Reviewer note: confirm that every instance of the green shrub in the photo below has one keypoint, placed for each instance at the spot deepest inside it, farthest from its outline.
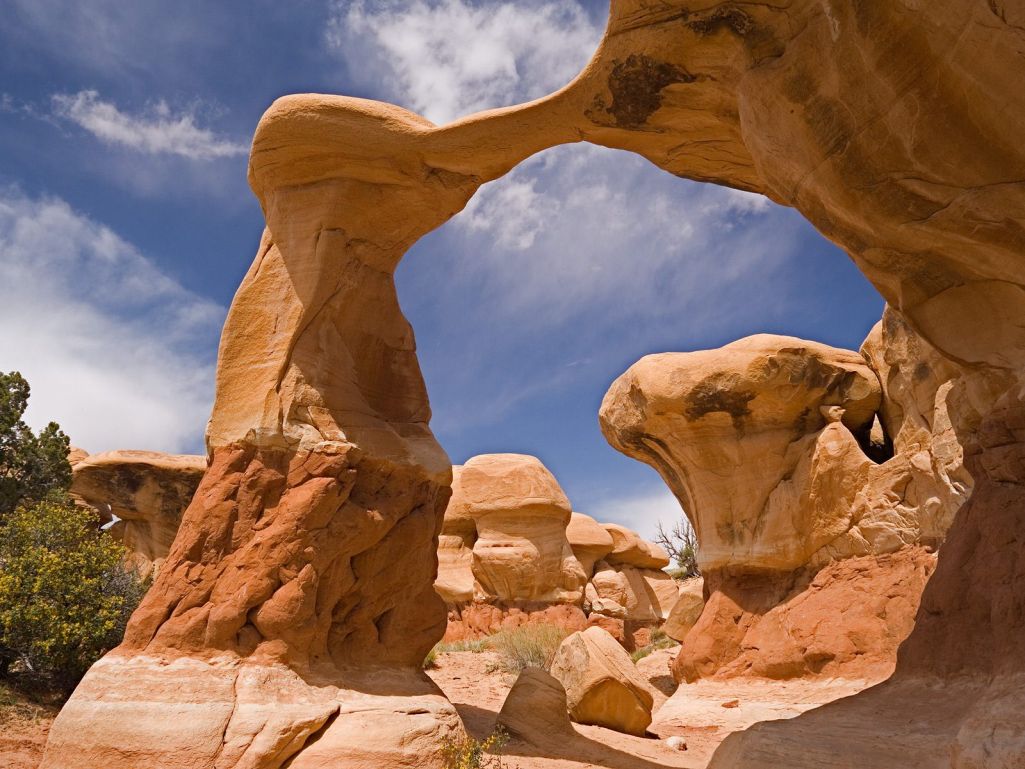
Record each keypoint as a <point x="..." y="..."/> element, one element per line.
<point x="65" y="595"/>
<point x="528" y="646"/>
<point x="31" y="466"/>
<point x="468" y="753"/>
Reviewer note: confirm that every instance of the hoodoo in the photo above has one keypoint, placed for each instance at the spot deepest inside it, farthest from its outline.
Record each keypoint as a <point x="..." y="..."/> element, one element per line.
<point x="278" y="630"/>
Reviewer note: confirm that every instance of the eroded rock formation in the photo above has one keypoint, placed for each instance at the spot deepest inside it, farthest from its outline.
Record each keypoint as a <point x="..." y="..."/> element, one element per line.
<point x="895" y="128"/>
<point x="147" y="491"/>
<point x="745" y="439"/>
<point x="510" y="554"/>
<point x="590" y="541"/>
<point x="764" y="442"/>
<point x="521" y="513"/>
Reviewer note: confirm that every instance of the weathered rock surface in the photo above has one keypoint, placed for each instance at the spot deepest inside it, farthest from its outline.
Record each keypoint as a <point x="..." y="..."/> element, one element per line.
<point x="626" y="592"/>
<point x="684" y="614"/>
<point x="602" y="686"/>
<point x="455" y="582"/>
<point x="629" y="549"/>
<point x="521" y="513"/>
<point x="589" y="540"/>
<point x="742" y="437"/>
<point x="887" y="145"/>
<point x="146" y="490"/>
<point x="845" y="620"/>
<point x="535" y="709"/>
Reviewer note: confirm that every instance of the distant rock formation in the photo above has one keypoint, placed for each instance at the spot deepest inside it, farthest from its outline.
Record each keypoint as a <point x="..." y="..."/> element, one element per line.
<point x="509" y="554"/>
<point x="521" y="513"/>
<point x="590" y="541"/>
<point x="146" y="491"/>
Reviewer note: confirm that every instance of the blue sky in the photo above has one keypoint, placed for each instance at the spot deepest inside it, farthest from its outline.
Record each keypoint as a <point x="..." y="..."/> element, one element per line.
<point x="126" y="224"/>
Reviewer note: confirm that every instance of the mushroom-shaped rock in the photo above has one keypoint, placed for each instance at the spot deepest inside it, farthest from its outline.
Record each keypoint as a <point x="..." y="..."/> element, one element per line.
<point x="629" y="549"/>
<point x="626" y="592"/>
<point x="521" y="514"/>
<point x="455" y="583"/>
<point x="740" y="433"/>
<point x="535" y="709"/>
<point x="589" y="539"/>
<point x="602" y="685"/>
<point x="146" y="490"/>
<point x="686" y="610"/>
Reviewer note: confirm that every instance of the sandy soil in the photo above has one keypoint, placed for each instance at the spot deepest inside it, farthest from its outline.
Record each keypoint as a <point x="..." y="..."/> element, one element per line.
<point x="703" y="714"/>
<point x="22" y="738"/>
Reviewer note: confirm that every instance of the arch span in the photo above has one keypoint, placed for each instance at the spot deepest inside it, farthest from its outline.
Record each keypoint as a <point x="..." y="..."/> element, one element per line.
<point x="279" y="631"/>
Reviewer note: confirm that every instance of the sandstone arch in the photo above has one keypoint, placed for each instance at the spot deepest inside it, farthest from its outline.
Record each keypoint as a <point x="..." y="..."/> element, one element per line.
<point x="274" y="629"/>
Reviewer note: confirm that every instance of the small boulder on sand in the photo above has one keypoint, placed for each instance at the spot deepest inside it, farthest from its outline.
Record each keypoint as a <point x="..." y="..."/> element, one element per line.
<point x="535" y="709"/>
<point x="602" y="685"/>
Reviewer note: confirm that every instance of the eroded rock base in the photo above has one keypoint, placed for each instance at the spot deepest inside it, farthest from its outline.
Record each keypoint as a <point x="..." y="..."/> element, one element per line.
<point x="133" y="712"/>
<point x="844" y="620"/>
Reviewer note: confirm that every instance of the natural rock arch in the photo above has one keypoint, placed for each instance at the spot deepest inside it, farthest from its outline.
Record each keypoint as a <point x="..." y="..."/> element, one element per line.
<point x="275" y="631"/>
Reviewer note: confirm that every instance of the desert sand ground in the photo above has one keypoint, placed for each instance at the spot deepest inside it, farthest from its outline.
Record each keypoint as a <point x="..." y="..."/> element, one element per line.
<point x="703" y="714"/>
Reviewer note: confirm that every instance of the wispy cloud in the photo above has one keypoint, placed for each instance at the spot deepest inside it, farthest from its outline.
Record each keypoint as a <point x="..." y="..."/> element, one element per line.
<point x="115" y="350"/>
<point x="447" y="58"/>
<point x="158" y="131"/>
<point x="641" y="511"/>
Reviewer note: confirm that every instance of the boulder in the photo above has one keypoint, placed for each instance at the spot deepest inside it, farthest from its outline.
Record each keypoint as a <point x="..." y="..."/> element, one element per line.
<point x="602" y="686"/>
<point x="521" y="514"/>
<point x="628" y="549"/>
<point x="535" y="709"/>
<point x="589" y="540"/>
<point x="686" y="610"/>
<point x="146" y="491"/>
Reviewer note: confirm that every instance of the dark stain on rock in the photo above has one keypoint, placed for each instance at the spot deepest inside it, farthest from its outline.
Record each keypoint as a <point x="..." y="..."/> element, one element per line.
<point x="726" y="17"/>
<point x="713" y="396"/>
<point x="636" y="85"/>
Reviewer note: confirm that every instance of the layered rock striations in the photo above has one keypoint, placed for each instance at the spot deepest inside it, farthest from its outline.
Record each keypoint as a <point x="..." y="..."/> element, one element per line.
<point x="279" y="596"/>
<point x="512" y="553"/>
<point x="146" y="491"/>
<point x="521" y="513"/>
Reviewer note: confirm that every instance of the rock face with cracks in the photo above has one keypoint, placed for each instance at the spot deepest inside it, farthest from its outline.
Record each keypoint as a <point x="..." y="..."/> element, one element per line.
<point x="147" y="492"/>
<point x="867" y="117"/>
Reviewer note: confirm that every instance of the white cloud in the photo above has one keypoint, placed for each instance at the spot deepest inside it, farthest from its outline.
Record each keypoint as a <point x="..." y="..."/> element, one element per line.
<point x="580" y="229"/>
<point x="641" y="512"/>
<point x="448" y="58"/>
<point x="158" y="131"/>
<point x="116" y="351"/>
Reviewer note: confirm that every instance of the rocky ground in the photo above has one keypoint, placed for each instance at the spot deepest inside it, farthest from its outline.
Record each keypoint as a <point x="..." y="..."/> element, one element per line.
<point x="702" y="714"/>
